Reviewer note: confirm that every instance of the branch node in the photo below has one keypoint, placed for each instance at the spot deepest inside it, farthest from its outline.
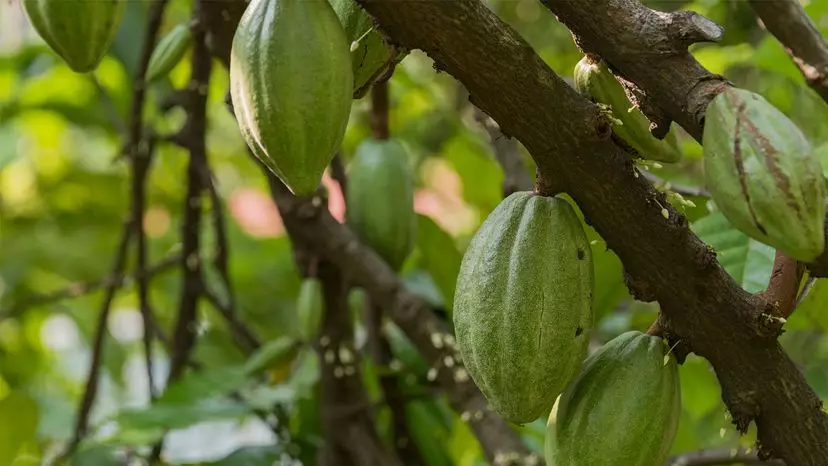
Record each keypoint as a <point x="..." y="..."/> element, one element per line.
<point x="688" y="27"/>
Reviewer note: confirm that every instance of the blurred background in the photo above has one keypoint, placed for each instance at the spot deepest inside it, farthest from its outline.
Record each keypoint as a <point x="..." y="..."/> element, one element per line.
<point x="64" y="198"/>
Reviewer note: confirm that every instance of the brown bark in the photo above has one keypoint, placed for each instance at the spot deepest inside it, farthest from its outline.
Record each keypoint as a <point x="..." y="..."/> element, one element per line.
<point x="790" y="24"/>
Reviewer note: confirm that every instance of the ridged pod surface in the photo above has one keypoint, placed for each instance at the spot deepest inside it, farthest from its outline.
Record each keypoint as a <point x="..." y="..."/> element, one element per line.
<point x="623" y="407"/>
<point x="380" y="200"/>
<point x="372" y="56"/>
<point x="763" y="174"/>
<point x="523" y="305"/>
<point x="168" y="52"/>
<point x="79" y="31"/>
<point x="594" y="80"/>
<point x="291" y="85"/>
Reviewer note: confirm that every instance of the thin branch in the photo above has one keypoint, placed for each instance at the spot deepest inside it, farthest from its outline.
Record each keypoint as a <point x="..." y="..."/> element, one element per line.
<point x="717" y="457"/>
<point x="790" y="24"/>
<point x="379" y="109"/>
<point x="83" y="288"/>
<point x="92" y="378"/>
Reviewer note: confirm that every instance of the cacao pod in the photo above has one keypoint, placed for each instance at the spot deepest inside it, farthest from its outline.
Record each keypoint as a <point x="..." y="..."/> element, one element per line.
<point x="291" y="85"/>
<point x="371" y="56"/>
<point x="623" y="407"/>
<point x="79" y="31"/>
<point x="168" y="52"/>
<point x="380" y="200"/>
<point x="594" y="80"/>
<point x="523" y="304"/>
<point x="763" y="174"/>
<point x="309" y="308"/>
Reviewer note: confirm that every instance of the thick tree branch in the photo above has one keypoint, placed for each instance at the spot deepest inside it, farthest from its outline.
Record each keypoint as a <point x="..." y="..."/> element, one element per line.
<point x="790" y="24"/>
<point x="649" y="48"/>
<point x="702" y="305"/>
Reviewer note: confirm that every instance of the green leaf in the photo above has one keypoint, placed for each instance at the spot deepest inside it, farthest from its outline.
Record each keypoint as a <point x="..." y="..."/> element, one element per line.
<point x="176" y="416"/>
<point x="748" y="261"/>
<point x="252" y="456"/>
<point x="439" y="256"/>
<point x="481" y="174"/>
<point x="209" y="383"/>
<point x="274" y="353"/>
<point x="18" y="424"/>
<point x="98" y="455"/>
<point x="428" y="432"/>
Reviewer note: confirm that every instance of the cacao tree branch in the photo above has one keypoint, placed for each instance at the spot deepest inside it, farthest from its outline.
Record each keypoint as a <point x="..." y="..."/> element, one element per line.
<point x="185" y="331"/>
<point x="702" y="305"/>
<point x="77" y="289"/>
<point x="313" y="225"/>
<point x="649" y="48"/>
<point x="790" y="24"/>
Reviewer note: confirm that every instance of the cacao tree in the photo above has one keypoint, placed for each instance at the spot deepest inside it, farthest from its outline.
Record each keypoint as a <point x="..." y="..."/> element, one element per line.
<point x="383" y="232"/>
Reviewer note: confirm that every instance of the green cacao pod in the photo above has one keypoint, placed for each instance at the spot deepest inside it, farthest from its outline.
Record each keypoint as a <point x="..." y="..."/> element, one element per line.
<point x="763" y="174"/>
<point x="523" y="304"/>
<point x="291" y="85"/>
<point x="169" y="51"/>
<point x="594" y="80"/>
<point x="309" y="308"/>
<point x="623" y="407"/>
<point x="371" y="56"/>
<point x="79" y="31"/>
<point x="380" y="200"/>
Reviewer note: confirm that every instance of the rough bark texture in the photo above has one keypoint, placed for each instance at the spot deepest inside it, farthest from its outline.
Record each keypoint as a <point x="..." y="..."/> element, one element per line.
<point x="702" y="305"/>
<point x="788" y="22"/>
<point x="570" y="143"/>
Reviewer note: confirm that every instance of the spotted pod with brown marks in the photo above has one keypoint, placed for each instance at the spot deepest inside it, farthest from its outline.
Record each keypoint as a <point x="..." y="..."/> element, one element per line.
<point x="763" y="174"/>
<point x="79" y="31"/>
<point x="523" y="305"/>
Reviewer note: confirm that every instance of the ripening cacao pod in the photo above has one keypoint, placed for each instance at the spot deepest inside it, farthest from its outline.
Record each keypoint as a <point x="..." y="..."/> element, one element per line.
<point x="623" y="407"/>
<point x="291" y="85"/>
<point x="79" y="31"/>
<point x="168" y="52"/>
<point x="763" y="174"/>
<point x="309" y="308"/>
<point x="523" y="305"/>
<point x="380" y="200"/>
<point x="594" y="80"/>
<point x="371" y="56"/>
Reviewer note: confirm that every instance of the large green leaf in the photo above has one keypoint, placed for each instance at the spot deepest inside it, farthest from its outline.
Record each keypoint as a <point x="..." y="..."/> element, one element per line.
<point x="748" y="261"/>
<point x="481" y="174"/>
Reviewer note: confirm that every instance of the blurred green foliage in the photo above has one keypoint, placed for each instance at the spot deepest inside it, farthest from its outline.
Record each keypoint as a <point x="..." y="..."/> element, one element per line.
<point x="64" y="197"/>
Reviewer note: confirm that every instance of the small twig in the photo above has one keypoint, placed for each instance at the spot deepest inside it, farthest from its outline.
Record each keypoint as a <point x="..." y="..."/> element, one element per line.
<point x="379" y="109"/>
<point x="83" y="288"/>
<point x="656" y="329"/>
<point x="790" y="24"/>
<point x="242" y="334"/>
<point x="715" y="457"/>
<point x="91" y="386"/>
<point x="687" y="191"/>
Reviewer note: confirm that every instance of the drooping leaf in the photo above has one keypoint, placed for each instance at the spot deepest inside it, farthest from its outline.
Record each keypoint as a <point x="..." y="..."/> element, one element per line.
<point x="18" y="424"/>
